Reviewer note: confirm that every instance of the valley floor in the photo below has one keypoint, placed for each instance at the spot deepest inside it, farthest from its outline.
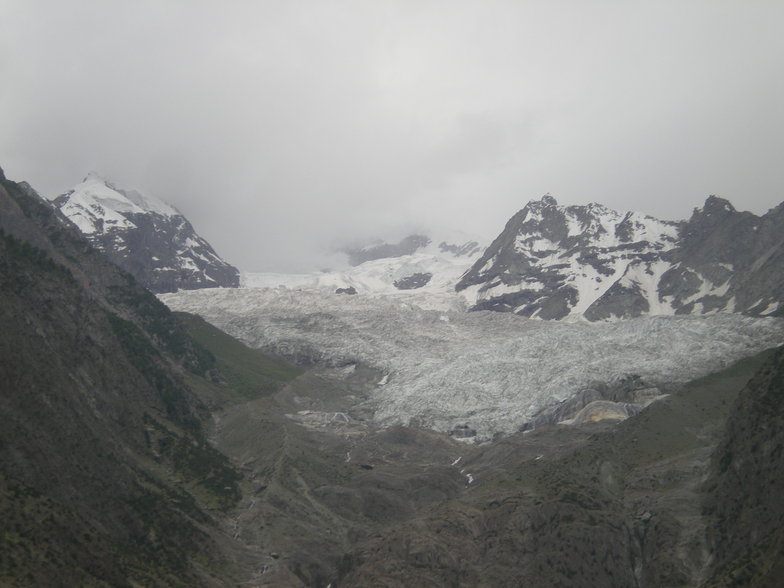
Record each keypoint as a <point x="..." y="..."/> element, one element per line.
<point x="332" y="499"/>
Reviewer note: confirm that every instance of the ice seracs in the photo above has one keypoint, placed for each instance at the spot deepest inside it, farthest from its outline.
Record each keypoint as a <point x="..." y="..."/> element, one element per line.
<point x="484" y="371"/>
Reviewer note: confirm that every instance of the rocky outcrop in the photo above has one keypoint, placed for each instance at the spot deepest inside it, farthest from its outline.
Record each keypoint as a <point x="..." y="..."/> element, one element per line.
<point x="552" y="261"/>
<point x="414" y="281"/>
<point x="744" y="492"/>
<point x="406" y="246"/>
<point x="466" y="249"/>
<point x="146" y="237"/>
<point x="106" y="476"/>
<point x="615" y="400"/>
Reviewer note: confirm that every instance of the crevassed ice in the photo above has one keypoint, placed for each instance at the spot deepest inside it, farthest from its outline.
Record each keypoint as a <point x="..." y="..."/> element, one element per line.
<point x="493" y="371"/>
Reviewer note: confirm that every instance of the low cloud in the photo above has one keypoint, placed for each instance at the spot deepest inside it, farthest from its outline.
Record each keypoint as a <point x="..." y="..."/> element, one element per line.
<point x="282" y="128"/>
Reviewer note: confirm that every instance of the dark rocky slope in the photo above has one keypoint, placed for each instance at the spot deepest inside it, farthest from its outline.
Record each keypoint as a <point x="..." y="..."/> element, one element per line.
<point x="106" y="475"/>
<point x="747" y="530"/>
<point x="739" y="249"/>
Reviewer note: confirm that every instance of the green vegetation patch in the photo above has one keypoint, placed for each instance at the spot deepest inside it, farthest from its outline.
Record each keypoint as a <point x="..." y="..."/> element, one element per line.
<point x="163" y="326"/>
<point x="21" y="264"/>
<point x="248" y="373"/>
<point x="148" y="360"/>
<point x="204" y="469"/>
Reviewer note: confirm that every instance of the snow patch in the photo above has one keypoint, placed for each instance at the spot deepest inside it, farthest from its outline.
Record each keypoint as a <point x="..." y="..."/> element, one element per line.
<point x="96" y="206"/>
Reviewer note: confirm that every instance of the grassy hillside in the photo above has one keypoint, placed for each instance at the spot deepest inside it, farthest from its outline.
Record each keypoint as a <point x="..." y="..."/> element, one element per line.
<point x="106" y="475"/>
<point x="239" y="373"/>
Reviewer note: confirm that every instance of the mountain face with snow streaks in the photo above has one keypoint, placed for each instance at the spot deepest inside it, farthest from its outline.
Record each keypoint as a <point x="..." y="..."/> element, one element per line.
<point x="145" y="236"/>
<point x="553" y="262"/>
<point x="728" y="259"/>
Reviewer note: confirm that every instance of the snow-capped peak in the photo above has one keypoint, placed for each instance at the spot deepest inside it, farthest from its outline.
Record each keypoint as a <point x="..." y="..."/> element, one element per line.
<point x="552" y="261"/>
<point x="96" y="205"/>
<point x="145" y="236"/>
<point x="124" y="200"/>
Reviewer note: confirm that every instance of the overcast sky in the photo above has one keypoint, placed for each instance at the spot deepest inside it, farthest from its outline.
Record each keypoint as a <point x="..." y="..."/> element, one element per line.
<point x="281" y="126"/>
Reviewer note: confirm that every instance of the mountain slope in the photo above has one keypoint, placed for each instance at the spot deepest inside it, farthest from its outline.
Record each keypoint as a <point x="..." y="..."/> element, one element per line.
<point x="746" y="535"/>
<point x="553" y="262"/>
<point x="106" y="476"/>
<point x="145" y="236"/>
<point x="739" y="254"/>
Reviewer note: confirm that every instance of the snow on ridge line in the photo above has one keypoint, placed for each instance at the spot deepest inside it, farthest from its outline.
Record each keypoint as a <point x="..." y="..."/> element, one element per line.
<point x="493" y="371"/>
<point x="100" y="199"/>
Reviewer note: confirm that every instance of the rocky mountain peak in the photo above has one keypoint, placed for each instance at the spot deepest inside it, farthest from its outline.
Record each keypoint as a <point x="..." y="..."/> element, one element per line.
<point x="553" y="261"/>
<point x="145" y="236"/>
<point x="93" y="175"/>
<point x="713" y="212"/>
<point x="715" y="204"/>
<point x="97" y="201"/>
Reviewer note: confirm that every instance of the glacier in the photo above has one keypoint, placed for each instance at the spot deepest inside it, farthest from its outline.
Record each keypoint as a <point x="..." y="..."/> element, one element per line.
<point x="492" y="371"/>
<point x="378" y="277"/>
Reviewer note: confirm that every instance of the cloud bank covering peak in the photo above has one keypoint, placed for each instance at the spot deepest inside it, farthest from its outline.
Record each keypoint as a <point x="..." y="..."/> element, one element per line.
<point x="282" y="128"/>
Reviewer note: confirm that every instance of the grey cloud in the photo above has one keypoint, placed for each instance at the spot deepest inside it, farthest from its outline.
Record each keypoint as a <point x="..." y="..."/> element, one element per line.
<point x="281" y="128"/>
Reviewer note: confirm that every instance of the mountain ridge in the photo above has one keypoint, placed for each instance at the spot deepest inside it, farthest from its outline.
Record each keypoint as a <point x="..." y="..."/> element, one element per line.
<point x="107" y="476"/>
<point x="554" y="262"/>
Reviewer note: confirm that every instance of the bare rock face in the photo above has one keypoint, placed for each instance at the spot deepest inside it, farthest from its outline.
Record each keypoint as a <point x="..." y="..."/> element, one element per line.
<point x="739" y="253"/>
<point x="146" y="237"/>
<point x="414" y="281"/>
<point x="469" y="248"/>
<point x="552" y="261"/>
<point x="102" y="449"/>
<point x="406" y="246"/>
<point x="745" y="489"/>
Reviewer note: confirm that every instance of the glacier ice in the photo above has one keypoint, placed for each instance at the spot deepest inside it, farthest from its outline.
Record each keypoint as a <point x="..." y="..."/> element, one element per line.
<point x="493" y="371"/>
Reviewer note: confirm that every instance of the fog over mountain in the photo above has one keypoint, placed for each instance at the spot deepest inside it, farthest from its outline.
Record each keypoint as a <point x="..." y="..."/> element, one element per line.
<point x="283" y="128"/>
